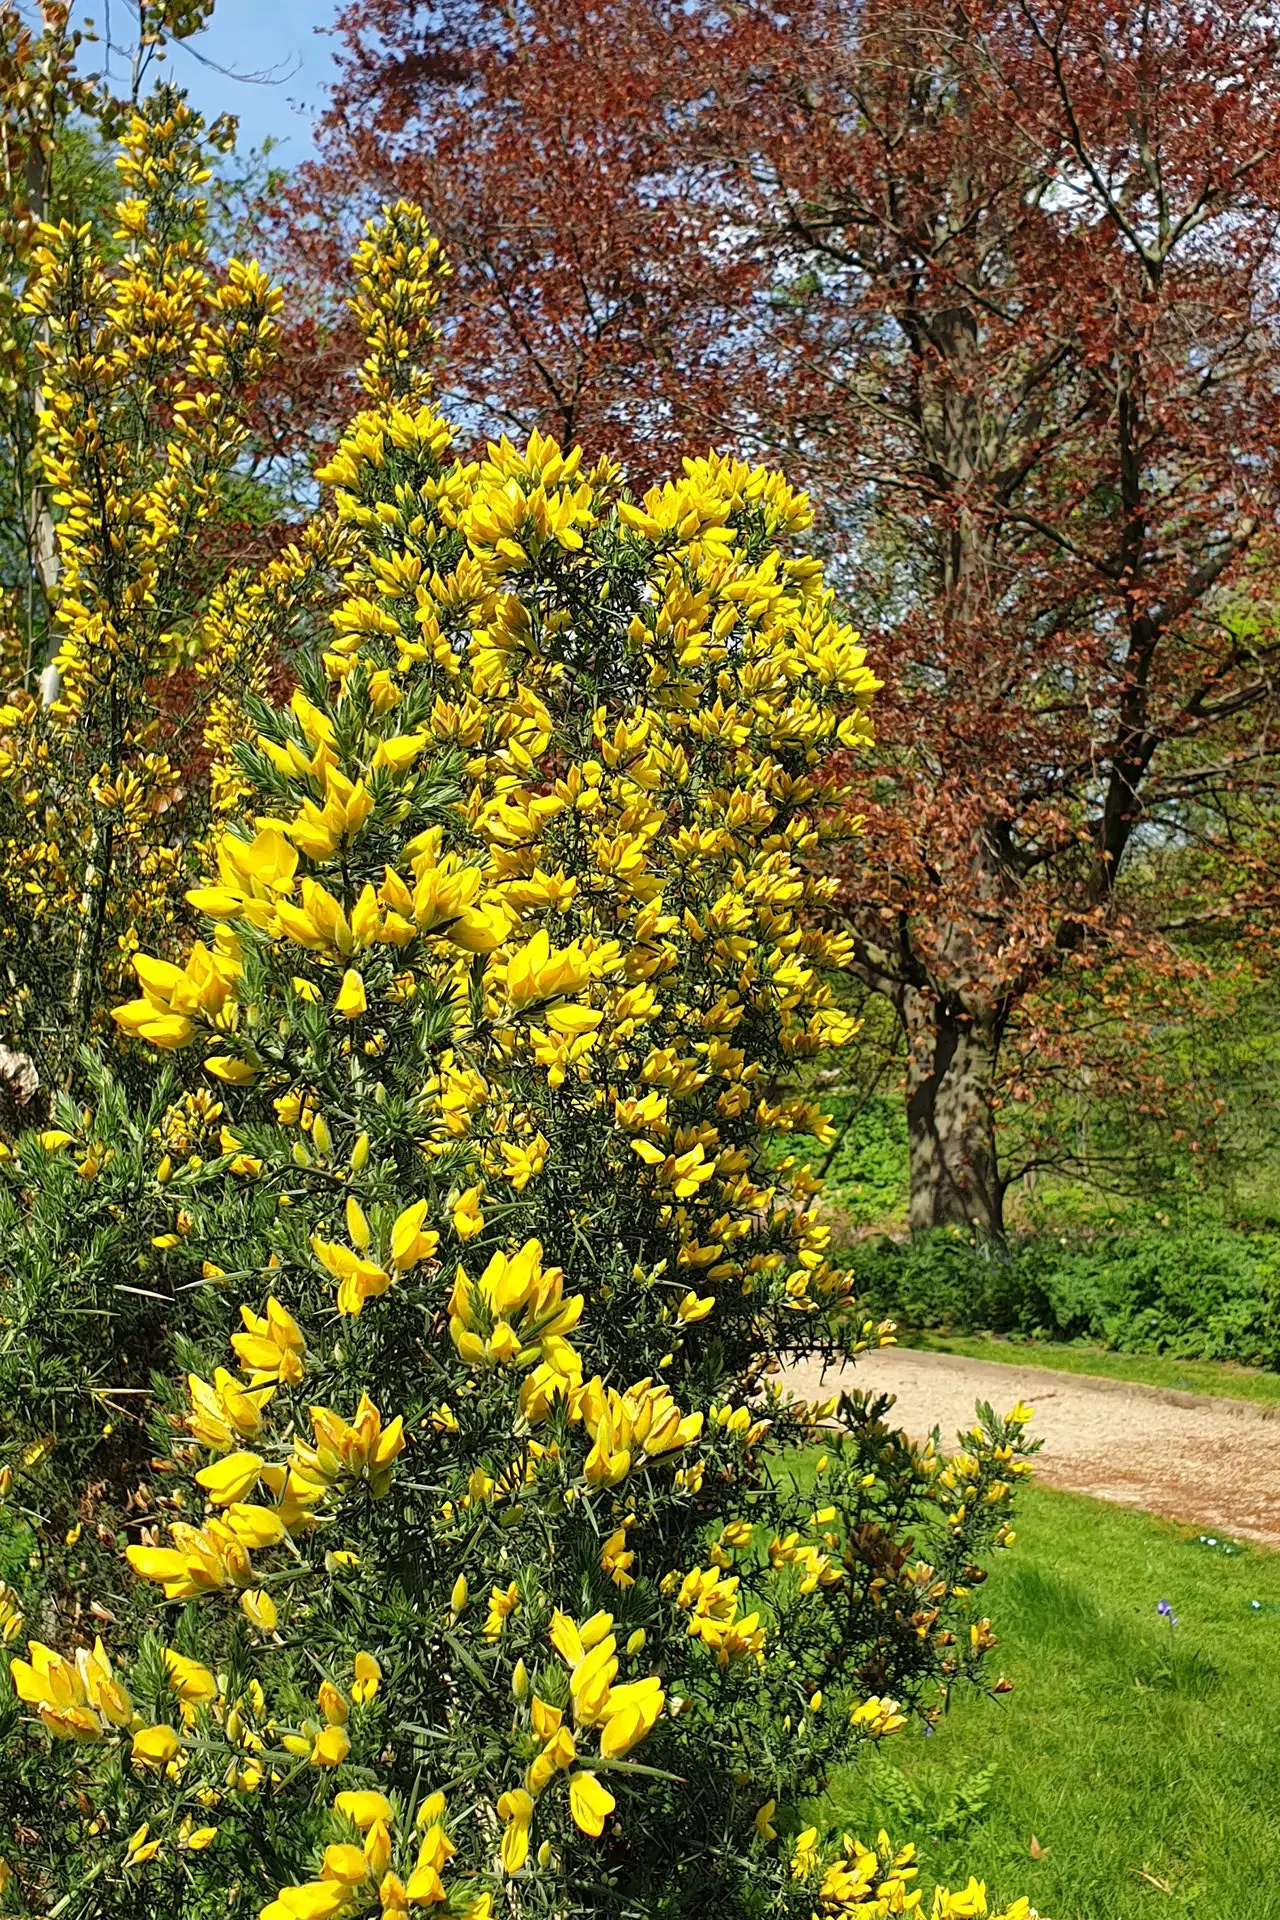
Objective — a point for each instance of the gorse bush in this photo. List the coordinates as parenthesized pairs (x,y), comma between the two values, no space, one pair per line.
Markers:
(470,1570)
(144,365)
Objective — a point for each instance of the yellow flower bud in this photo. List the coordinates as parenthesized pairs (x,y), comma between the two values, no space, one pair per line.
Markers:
(458,1598)
(332,1705)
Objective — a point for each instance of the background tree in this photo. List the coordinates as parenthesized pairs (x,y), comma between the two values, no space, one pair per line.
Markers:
(997,282)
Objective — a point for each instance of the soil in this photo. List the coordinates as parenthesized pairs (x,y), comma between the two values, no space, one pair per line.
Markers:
(1204,1462)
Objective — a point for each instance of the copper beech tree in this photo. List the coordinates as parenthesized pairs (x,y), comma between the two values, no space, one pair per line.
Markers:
(998,284)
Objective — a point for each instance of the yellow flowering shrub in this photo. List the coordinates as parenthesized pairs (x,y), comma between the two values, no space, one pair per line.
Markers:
(477,1566)
(145,357)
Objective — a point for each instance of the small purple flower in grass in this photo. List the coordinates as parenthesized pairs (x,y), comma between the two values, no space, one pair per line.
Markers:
(1166,1612)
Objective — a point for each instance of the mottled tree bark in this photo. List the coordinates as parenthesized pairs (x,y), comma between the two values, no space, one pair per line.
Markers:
(955,1176)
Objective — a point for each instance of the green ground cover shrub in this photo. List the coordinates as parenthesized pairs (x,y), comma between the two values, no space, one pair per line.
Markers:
(1208,1292)
(1193,1272)
(865,1166)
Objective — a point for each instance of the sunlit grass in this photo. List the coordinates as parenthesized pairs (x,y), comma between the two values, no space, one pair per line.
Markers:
(1142,1756)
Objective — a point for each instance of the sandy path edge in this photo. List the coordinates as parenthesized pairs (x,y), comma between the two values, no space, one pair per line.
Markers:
(1190,1457)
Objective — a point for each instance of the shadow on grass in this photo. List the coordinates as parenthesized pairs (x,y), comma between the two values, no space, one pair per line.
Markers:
(1060,1616)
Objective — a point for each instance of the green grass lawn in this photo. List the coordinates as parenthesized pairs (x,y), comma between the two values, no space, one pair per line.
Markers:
(1145,1760)
(1221,1377)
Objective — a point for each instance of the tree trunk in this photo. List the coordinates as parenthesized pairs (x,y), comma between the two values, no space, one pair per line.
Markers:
(955,1177)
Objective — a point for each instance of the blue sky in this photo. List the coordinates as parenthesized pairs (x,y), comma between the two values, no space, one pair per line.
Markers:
(275,39)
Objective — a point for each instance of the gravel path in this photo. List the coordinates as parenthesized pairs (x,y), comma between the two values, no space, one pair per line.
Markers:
(1205,1462)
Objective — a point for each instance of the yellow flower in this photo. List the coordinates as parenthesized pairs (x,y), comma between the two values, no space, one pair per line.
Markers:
(176,999)
(201,1560)
(271,1349)
(259,1609)
(345,1863)
(447,900)
(425,1887)
(368,1675)
(468,1220)
(502,1603)
(431,1812)
(141,1848)
(590,1802)
(524,1163)
(968,1904)
(693,1309)
(358,1279)
(878,1716)
(330,1747)
(193,1684)
(76,1700)
(683,1173)
(351,1001)
(410,1241)
(516,1314)
(316,1900)
(230,1478)
(804,1858)
(559,1753)
(319,831)
(251,874)
(363,1806)
(627,1714)
(628,1429)
(10,1613)
(154,1746)
(435,1849)
(540,976)
(630,1715)
(359,1231)
(616,1561)
(362,1450)
(236,1073)
(399,751)
(516,1809)
(711,1601)
(377,1849)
